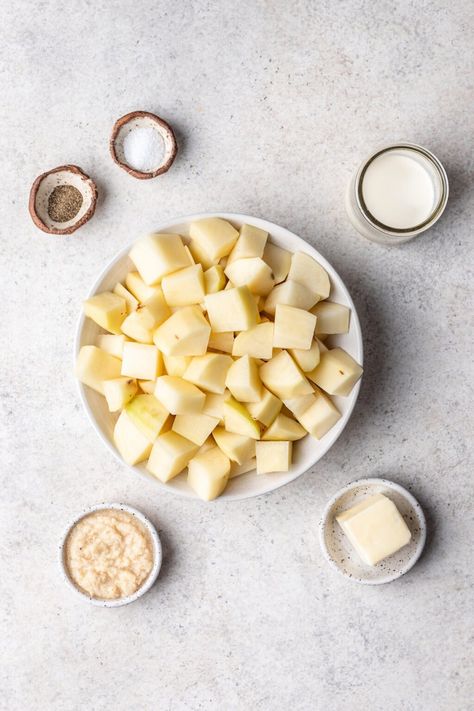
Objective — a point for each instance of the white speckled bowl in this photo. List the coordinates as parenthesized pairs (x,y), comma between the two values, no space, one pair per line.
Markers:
(157,557)
(307,451)
(338,550)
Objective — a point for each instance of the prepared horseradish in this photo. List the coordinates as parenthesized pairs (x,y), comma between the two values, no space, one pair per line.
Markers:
(109,554)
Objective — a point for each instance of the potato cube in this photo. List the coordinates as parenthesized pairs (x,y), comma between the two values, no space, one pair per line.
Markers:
(214,404)
(252,272)
(283,378)
(190,256)
(243,380)
(237,419)
(279,261)
(251,243)
(235,446)
(306,270)
(185,333)
(130,301)
(337,372)
(320,416)
(178,396)
(290,293)
(147,386)
(233,309)
(141,360)
(209,371)
(257,342)
(157,255)
(221,342)
(170,455)
(244,468)
(294,328)
(93,366)
(196,428)
(215,235)
(273,456)
(107,310)
(284,428)
(138,288)
(200,256)
(142,322)
(208,473)
(131,443)
(266,409)
(176,365)
(111,344)
(308,359)
(184,287)
(148,415)
(118,392)
(214,279)
(332,318)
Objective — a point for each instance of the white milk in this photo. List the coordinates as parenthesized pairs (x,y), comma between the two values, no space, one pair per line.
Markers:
(400,188)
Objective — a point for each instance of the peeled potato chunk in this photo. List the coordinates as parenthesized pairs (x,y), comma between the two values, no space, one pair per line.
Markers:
(93,366)
(294,328)
(257,342)
(222,341)
(306,359)
(141,323)
(209,371)
(237,419)
(142,361)
(138,288)
(170,455)
(252,272)
(337,372)
(134,447)
(185,333)
(215,235)
(318,415)
(283,378)
(237,447)
(148,415)
(111,344)
(157,255)
(244,468)
(266,409)
(273,456)
(178,396)
(118,392)
(208,473)
(214,279)
(284,428)
(243,380)
(332,318)
(251,243)
(233,309)
(290,293)
(279,261)
(107,310)
(306,270)
(196,428)
(130,301)
(184,287)
(176,365)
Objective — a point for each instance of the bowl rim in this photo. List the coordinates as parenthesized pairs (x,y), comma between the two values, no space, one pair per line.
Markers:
(157,555)
(369,481)
(309,249)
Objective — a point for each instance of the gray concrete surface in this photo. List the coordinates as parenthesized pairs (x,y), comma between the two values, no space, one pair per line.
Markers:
(274,104)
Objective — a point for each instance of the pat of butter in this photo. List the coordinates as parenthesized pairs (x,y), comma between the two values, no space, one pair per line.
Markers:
(375,528)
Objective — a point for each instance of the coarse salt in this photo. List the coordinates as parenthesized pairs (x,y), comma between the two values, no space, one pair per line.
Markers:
(144,149)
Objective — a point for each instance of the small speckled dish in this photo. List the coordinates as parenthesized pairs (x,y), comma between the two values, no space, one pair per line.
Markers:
(142,119)
(338,550)
(150,580)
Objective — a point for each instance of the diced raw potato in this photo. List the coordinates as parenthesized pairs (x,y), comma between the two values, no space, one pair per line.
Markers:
(130,301)
(279,261)
(273,457)
(235,446)
(214,405)
(138,288)
(266,409)
(320,416)
(332,318)
(252,272)
(294,328)
(170,455)
(257,342)
(306,359)
(243,380)
(118,392)
(299,405)
(184,287)
(190,256)
(284,428)
(337,372)
(148,415)
(178,396)
(176,365)
(196,428)
(157,255)
(208,473)
(131,443)
(140,324)
(111,344)
(237,419)
(214,279)
(185,333)
(251,243)
(209,371)
(290,293)
(200,255)
(221,342)
(208,444)
(107,310)
(147,386)
(306,270)
(283,378)
(215,235)
(141,361)
(232,310)
(93,366)
(239,469)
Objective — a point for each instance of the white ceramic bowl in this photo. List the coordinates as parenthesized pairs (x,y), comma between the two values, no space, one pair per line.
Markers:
(157,557)
(339,552)
(307,451)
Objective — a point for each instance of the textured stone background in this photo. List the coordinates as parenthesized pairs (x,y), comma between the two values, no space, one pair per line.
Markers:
(274,103)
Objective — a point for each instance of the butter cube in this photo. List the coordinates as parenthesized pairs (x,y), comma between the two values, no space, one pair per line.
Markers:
(375,528)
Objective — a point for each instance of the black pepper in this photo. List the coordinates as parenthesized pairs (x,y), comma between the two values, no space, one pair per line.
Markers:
(64,203)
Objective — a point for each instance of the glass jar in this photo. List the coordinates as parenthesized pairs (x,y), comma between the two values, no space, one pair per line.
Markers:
(395,184)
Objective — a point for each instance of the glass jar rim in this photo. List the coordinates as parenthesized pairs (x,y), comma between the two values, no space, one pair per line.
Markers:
(437,210)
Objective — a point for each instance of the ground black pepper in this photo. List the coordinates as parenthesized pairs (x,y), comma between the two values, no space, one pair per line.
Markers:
(64,203)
